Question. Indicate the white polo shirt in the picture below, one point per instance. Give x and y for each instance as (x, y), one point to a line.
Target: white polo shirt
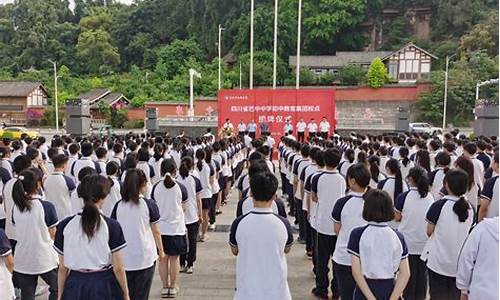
(58, 188)
(379, 248)
(349, 212)
(308, 189)
(4, 178)
(169, 203)
(79, 252)
(443, 247)
(413, 225)
(204, 177)
(8, 203)
(34, 253)
(328, 186)
(261, 267)
(490, 193)
(113, 196)
(306, 172)
(297, 171)
(301, 126)
(312, 127)
(344, 167)
(246, 205)
(136, 220)
(193, 188)
(324, 126)
(389, 185)
(436, 180)
(6, 285)
(82, 163)
(7, 165)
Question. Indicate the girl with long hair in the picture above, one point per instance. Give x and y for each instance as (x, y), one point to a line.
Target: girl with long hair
(205, 175)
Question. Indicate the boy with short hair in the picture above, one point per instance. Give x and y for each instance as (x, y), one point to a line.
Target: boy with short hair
(257, 235)
(58, 187)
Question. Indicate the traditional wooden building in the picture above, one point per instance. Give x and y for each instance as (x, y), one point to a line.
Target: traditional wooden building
(106, 97)
(405, 65)
(21, 101)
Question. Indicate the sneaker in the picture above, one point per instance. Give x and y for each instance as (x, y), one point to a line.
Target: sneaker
(165, 292)
(183, 269)
(211, 227)
(190, 270)
(173, 292)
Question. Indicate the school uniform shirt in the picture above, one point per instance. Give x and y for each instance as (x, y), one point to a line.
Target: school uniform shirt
(215, 166)
(436, 181)
(308, 189)
(246, 205)
(76, 202)
(299, 165)
(306, 172)
(443, 247)
(169, 201)
(413, 226)
(406, 169)
(374, 184)
(478, 172)
(383, 161)
(8, 204)
(34, 253)
(4, 178)
(204, 177)
(490, 193)
(82, 253)
(389, 185)
(6, 285)
(344, 167)
(150, 173)
(261, 267)
(135, 220)
(349, 212)
(485, 159)
(176, 156)
(193, 188)
(379, 248)
(58, 188)
(328, 186)
(113, 196)
(7, 165)
(477, 265)
(82, 163)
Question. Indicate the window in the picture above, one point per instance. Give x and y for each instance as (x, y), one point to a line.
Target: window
(393, 69)
(402, 66)
(410, 55)
(425, 67)
(415, 66)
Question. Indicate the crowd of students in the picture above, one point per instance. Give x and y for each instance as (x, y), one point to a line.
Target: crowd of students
(94, 217)
(389, 216)
(405, 215)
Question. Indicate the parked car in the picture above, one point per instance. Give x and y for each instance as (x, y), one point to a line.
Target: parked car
(423, 128)
(14, 133)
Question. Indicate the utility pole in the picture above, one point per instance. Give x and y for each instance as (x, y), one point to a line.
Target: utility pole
(275, 46)
(297, 70)
(445, 100)
(192, 74)
(252, 4)
(219, 48)
(54, 64)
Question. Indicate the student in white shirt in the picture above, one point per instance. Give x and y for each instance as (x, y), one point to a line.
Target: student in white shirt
(260, 240)
(58, 187)
(410, 209)
(312, 127)
(90, 249)
(242, 128)
(139, 219)
(5, 161)
(84, 161)
(76, 198)
(477, 274)
(206, 176)
(113, 173)
(375, 173)
(6, 267)
(378, 252)
(324, 127)
(473, 189)
(405, 163)
(192, 213)
(301, 129)
(347, 215)
(35, 223)
(490, 194)
(449, 221)
(394, 184)
(436, 177)
(348, 160)
(171, 197)
(326, 189)
(470, 150)
(101, 154)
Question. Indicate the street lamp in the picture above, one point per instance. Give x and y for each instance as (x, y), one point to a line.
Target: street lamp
(275, 46)
(219, 46)
(297, 70)
(192, 74)
(252, 4)
(55, 93)
(445, 100)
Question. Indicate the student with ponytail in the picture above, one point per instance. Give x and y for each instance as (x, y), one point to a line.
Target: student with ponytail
(410, 210)
(449, 222)
(156, 160)
(113, 172)
(139, 219)
(90, 249)
(347, 215)
(170, 197)
(473, 189)
(436, 177)
(375, 173)
(347, 162)
(192, 213)
(422, 159)
(394, 183)
(35, 223)
(405, 163)
(202, 171)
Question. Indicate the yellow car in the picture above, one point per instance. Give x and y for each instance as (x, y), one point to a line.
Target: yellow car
(14, 133)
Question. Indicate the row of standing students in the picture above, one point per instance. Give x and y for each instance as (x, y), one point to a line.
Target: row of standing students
(331, 199)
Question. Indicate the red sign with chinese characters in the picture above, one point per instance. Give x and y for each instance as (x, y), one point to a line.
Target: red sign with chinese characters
(275, 106)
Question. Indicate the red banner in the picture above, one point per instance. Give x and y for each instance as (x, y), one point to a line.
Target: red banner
(275, 106)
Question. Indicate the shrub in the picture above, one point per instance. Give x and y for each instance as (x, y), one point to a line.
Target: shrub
(377, 75)
(351, 74)
(133, 124)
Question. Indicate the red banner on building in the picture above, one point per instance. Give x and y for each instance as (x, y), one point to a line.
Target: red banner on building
(275, 106)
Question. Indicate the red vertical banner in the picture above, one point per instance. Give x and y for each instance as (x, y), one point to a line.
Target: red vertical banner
(275, 106)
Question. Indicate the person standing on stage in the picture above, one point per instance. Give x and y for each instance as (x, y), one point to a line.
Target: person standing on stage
(324, 128)
(301, 128)
(227, 128)
(252, 129)
(264, 128)
(312, 127)
(242, 128)
(288, 127)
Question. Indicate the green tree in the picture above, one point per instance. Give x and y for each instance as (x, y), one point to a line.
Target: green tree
(377, 77)
(177, 56)
(483, 36)
(351, 74)
(95, 49)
